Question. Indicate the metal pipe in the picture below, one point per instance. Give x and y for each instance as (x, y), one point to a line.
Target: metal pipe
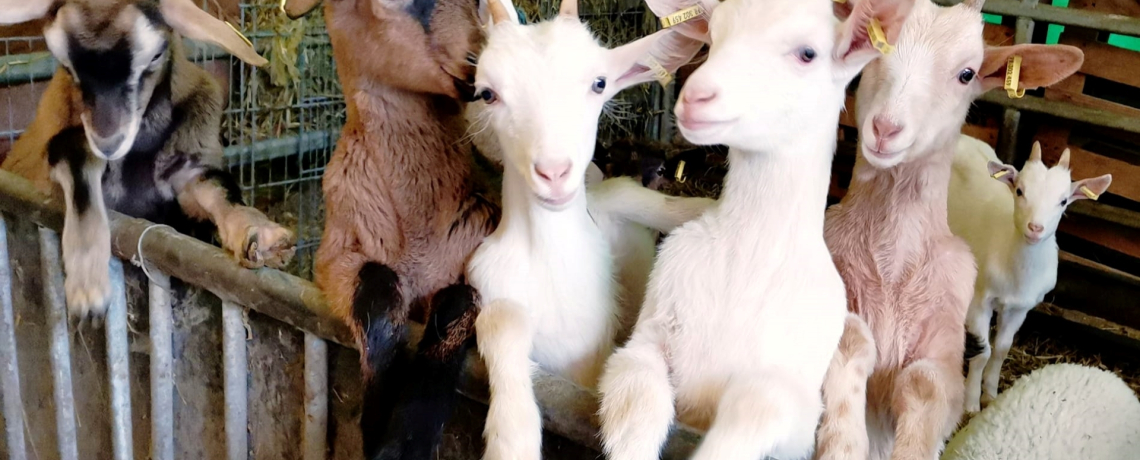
(119, 365)
(9, 365)
(161, 368)
(235, 359)
(60, 345)
(316, 398)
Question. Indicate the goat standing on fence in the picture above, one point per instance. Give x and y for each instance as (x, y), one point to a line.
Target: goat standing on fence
(404, 208)
(895, 387)
(128, 123)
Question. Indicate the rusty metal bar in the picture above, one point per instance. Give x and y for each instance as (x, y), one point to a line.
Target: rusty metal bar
(161, 368)
(236, 376)
(60, 345)
(119, 365)
(9, 364)
(316, 398)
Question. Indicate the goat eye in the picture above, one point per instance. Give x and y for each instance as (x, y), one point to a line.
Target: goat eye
(806, 54)
(1064, 202)
(158, 56)
(966, 76)
(1019, 191)
(488, 96)
(599, 85)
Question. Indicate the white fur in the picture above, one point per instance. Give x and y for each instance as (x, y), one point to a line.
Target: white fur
(745, 308)
(547, 273)
(1058, 412)
(1016, 266)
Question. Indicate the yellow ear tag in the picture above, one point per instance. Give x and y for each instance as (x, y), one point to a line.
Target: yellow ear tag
(878, 38)
(659, 72)
(682, 16)
(1000, 174)
(680, 174)
(1089, 193)
(238, 32)
(840, 1)
(1013, 77)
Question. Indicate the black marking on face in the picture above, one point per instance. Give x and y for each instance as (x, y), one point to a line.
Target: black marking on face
(70, 145)
(104, 79)
(422, 11)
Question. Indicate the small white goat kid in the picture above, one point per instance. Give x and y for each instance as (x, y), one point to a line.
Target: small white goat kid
(547, 273)
(745, 307)
(1058, 412)
(1011, 230)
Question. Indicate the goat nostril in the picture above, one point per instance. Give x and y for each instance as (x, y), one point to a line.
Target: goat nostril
(1036, 227)
(555, 173)
(884, 128)
(699, 96)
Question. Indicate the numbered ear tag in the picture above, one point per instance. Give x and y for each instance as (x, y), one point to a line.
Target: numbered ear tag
(659, 72)
(1000, 174)
(878, 38)
(238, 32)
(682, 16)
(1013, 77)
(840, 1)
(680, 174)
(1089, 193)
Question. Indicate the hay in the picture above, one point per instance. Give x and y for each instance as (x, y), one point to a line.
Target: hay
(1033, 349)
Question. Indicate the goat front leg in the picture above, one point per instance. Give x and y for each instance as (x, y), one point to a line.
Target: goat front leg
(978, 345)
(637, 396)
(428, 397)
(514, 424)
(245, 232)
(629, 201)
(927, 405)
(1009, 321)
(842, 432)
(86, 241)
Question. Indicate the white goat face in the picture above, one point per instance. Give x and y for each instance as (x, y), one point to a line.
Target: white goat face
(116, 68)
(1041, 194)
(776, 66)
(764, 55)
(545, 86)
(917, 96)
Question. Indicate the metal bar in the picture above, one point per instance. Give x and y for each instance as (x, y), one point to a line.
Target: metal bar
(60, 345)
(161, 368)
(236, 376)
(9, 365)
(316, 398)
(280, 147)
(119, 366)
(1114, 23)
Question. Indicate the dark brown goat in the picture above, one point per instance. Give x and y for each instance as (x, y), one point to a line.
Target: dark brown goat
(128, 123)
(405, 208)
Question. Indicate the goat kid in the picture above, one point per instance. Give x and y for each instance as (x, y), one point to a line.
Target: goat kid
(909, 279)
(547, 274)
(406, 206)
(1017, 266)
(128, 123)
(732, 331)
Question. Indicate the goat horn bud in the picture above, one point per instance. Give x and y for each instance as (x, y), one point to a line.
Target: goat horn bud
(498, 11)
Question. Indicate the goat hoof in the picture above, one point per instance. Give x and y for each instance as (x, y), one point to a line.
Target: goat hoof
(268, 245)
(88, 293)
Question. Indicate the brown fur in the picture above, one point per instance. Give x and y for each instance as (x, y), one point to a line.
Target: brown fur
(400, 189)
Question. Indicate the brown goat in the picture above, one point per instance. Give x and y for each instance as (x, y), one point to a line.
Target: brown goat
(128, 123)
(405, 208)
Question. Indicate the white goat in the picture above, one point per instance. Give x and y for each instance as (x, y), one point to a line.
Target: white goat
(547, 273)
(1058, 412)
(745, 307)
(1017, 264)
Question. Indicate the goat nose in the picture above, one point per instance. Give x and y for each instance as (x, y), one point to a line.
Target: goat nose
(554, 173)
(108, 145)
(884, 128)
(1036, 228)
(698, 95)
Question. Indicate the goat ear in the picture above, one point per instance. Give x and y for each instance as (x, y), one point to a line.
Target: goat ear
(633, 62)
(1003, 173)
(855, 48)
(696, 28)
(1041, 65)
(295, 9)
(17, 11)
(1095, 186)
(190, 21)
